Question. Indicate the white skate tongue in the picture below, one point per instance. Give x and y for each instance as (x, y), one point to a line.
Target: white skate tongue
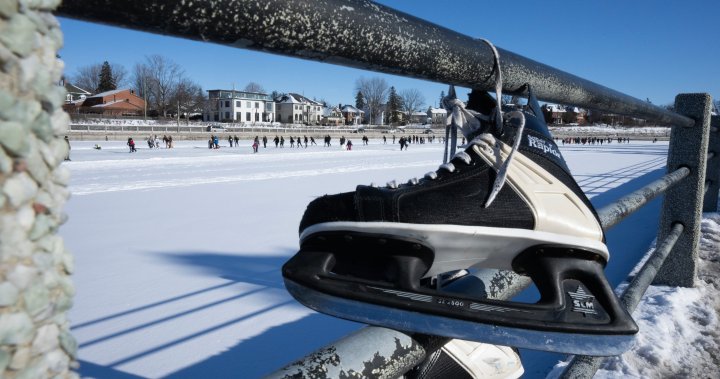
(468, 122)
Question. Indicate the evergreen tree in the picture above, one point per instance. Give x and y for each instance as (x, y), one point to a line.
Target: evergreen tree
(442, 96)
(393, 106)
(107, 82)
(359, 101)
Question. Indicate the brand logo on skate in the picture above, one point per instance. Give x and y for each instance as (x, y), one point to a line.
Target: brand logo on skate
(541, 144)
(582, 302)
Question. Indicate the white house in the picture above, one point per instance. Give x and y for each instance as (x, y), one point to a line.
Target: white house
(437, 115)
(293, 108)
(239, 106)
(379, 115)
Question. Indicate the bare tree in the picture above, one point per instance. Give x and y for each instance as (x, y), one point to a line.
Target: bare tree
(88, 77)
(159, 77)
(411, 100)
(189, 98)
(374, 91)
(254, 87)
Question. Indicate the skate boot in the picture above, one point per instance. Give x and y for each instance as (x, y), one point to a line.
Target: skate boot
(508, 202)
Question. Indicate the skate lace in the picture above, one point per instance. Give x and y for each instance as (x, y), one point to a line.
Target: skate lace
(469, 123)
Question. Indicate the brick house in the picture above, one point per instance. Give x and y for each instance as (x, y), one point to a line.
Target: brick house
(119, 102)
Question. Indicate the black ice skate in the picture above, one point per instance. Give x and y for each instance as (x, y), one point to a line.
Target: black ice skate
(508, 201)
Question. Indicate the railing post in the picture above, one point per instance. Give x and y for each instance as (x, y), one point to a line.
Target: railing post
(713, 167)
(683, 203)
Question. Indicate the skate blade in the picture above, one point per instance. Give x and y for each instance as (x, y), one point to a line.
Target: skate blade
(409, 321)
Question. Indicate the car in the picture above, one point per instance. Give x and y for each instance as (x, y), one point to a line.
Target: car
(215, 128)
(428, 131)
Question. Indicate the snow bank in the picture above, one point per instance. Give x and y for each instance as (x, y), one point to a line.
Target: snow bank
(679, 327)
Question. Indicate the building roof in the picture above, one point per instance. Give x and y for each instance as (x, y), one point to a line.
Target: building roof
(438, 111)
(71, 88)
(350, 108)
(109, 93)
(302, 99)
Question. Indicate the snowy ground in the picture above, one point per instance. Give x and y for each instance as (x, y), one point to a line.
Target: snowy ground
(178, 253)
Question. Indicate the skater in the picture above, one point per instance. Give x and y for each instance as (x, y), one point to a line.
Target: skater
(216, 142)
(282, 141)
(373, 252)
(230, 140)
(312, 141)
(67, 141)
(131, 145)
(277, 141)
(365, 140)
(264, 142)
(384, 140)
(210, 142)
(305, 138)
(292, 141)
(170, 142)
(349, 145)
(236, 141)
(255, 146)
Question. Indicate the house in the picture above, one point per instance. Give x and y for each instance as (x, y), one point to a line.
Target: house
(119, 102)
(437, 115)
(239, 106)
(418, 118)
(331, 116)
(553, 113)
(293, 108)
(352, 115)
(74, 97)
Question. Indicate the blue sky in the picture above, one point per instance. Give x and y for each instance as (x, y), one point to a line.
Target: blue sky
(644, 48)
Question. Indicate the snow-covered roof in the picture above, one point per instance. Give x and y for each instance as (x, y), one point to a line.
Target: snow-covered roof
(423, 114)
(71, 88)
(555, 108)
(302, 99)
(108, 93)
(288, 99)
(350, 108)
(438, 111)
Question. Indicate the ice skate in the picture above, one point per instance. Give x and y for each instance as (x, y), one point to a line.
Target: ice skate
(460, 359)
(508, 201)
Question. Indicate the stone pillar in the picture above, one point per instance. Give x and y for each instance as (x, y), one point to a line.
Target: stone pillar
(35, 286)
(713, 167)
(683, 203)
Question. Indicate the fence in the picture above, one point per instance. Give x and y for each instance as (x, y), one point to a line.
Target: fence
(427, 51)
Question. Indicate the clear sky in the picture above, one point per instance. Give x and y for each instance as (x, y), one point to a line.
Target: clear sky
(645, 48)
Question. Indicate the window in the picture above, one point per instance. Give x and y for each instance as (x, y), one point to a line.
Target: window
(269, 107)
(238, 116)
(257, 116)
(216, 116)
(227, 104)
(238, 103)
(227, 115)
(257, 105)
(290, 118)
(248, 105)
(247, 116)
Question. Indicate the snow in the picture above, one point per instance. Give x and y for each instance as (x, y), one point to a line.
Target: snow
(178, 255)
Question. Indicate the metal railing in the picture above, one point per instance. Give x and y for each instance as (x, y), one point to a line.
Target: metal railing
(366, 35)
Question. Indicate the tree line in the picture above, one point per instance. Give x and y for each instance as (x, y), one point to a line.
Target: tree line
(374, 93)
(160, 81)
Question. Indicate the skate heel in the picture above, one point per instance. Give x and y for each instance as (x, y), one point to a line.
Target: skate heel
(574, 290)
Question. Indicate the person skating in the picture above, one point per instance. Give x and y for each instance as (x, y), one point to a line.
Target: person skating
(264, 139)
(507, 201)
(230, 141)
(237, 140)
(277, 141)
(348, 145)
(131, 145)
(67, 141)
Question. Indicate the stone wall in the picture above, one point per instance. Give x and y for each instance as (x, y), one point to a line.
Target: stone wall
(35, 287)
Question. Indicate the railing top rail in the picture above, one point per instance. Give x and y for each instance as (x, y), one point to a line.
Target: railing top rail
(361, 34)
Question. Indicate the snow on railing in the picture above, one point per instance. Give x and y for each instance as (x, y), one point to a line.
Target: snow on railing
(430, 52)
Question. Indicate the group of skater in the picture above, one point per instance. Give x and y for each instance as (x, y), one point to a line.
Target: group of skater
(592, 140)
(153, 142)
